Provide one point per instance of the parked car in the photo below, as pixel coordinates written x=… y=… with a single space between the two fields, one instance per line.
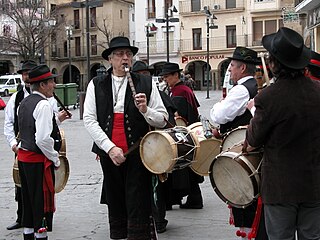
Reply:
x=227 y=83
x=9 y=84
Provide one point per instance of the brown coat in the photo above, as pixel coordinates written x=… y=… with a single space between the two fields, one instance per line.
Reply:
x=287 y=124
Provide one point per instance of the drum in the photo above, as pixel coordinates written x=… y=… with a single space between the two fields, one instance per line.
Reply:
x=209 y=149
x=15 y=173
x=168 y=150
x=61 y=174
x=235 y=177
x=63 y=144
x=180 y=121
x=234 y=137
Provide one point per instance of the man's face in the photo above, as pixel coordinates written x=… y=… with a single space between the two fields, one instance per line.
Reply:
x=25 y=78
x=47 y=88
x=237 y=69
x=119 y=57
x=171 y=78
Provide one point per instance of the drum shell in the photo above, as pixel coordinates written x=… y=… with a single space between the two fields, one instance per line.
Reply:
x=235 y=177
x=163 y=152
x=61 y=174
x=208 y=150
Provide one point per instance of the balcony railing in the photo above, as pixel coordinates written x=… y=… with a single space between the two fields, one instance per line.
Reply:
x=186 y=45
x=61 y=53
x=215 y=5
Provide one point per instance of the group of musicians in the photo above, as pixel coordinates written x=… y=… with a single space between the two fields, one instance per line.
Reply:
x=122 y=106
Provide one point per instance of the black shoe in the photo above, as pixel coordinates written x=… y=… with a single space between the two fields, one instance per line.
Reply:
x=13 y=226
x=162 y=226
x=191 y=206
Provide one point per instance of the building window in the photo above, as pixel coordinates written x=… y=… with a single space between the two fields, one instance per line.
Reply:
x=231 y=36
x=65 y=49
x=195 y=5
x=231 y=4
x=167 y=4
x=94 y=49
x=257 y=33
x=151 y=9
x=93 y=17
x=261 y=28
x=78 y=47
x=264 y=0
x=120 y=14
x=76 y=19
x=196 y=39
x=270 y=26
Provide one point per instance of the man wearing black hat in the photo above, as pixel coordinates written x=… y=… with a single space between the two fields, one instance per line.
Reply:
x=117 y=120
x=185 y=181
x=287 y=124
x=313 y=68
x=38 y=154
x=231 y=113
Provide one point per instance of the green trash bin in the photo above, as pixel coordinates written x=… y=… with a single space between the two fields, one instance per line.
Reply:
x=59 y=91
x=70 y=94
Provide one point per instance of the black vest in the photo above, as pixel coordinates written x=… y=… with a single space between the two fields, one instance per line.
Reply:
x=134 y=123
x=28 y=128
x=19 y=98
x=243 y=119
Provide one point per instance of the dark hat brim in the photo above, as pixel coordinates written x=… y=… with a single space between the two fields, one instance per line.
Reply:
x=105 y=54
x=297 y=63
x=169 y=71
x=44 y=79
x=242 y=60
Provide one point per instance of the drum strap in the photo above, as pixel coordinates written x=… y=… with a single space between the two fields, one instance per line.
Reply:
x=154 y=188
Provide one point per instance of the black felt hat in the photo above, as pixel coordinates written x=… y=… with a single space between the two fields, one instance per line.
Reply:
x=244 y=54
x=40 y=73
x=118 y=42
x=288 y=48
x=170 y=68
x=315 y=59
x=141 y=66
x=27 y=65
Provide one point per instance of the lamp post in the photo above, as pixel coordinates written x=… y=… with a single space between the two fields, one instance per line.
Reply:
x=166 y=20
x=147 y=27
x=210 y=25
x=69 y=35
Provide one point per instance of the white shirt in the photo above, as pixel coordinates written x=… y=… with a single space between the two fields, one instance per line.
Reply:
x=8 y=129
x=233 y=105
x=155 y=115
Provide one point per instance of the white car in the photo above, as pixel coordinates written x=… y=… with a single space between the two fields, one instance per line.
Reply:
x=10 y=83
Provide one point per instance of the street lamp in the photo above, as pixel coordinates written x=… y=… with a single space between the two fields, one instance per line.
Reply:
x=149 y=28
x=69 y=35
x=210 y=25
x=166 y=20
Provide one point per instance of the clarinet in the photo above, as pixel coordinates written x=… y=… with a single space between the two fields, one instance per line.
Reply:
x=127 y=70
x=61 y=104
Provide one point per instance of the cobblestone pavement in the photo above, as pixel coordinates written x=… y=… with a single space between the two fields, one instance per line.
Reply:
x=79 y=214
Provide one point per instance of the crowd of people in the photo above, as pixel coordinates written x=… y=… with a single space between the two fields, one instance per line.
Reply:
x=124 y=104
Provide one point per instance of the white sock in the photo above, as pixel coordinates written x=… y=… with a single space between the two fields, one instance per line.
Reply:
x=41 y=235
x=28 y=230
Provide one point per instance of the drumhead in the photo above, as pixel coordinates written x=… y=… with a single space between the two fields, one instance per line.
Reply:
x=180 y=121
x=156 y=146
x=61 y=174
x=233 y=180
x=234 y=137
x=209 y=149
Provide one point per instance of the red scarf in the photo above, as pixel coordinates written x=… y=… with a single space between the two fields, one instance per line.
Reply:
x=47 y=186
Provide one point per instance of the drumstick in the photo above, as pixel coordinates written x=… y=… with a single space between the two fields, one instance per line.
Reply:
x=265 y=72
x=61 y=104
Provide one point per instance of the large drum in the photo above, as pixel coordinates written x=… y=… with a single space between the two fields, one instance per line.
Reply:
x=168 y=150
x=234 y=137
x=235 y=176
x=209 y=149
x=180 y=121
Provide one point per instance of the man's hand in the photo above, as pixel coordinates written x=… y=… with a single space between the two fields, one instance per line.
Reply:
x=116 y=155
x=63 y=115
x=141 y=102
x=15 y=148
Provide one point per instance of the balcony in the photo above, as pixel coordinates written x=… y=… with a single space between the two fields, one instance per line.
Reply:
x=215 y=5
x=217 y=43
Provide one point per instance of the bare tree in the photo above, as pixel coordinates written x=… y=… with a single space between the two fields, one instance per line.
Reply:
x=31 y=22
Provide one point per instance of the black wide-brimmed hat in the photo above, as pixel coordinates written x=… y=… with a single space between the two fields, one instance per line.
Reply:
x=27 y=65
x=288 y=48
x=118 y=42
x=141 y=66
x=170 y=68
x=315 y=59
x=40 y=73
x=244 y=55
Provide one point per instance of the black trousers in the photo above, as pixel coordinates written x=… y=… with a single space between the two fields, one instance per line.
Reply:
x=127 y=192
x=33 y=215
x=18 y=198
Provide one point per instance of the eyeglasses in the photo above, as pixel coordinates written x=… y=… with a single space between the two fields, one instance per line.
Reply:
x=122 y=53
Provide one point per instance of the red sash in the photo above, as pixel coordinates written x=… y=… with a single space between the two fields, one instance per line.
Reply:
x=48 y=186
x=118 y=134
